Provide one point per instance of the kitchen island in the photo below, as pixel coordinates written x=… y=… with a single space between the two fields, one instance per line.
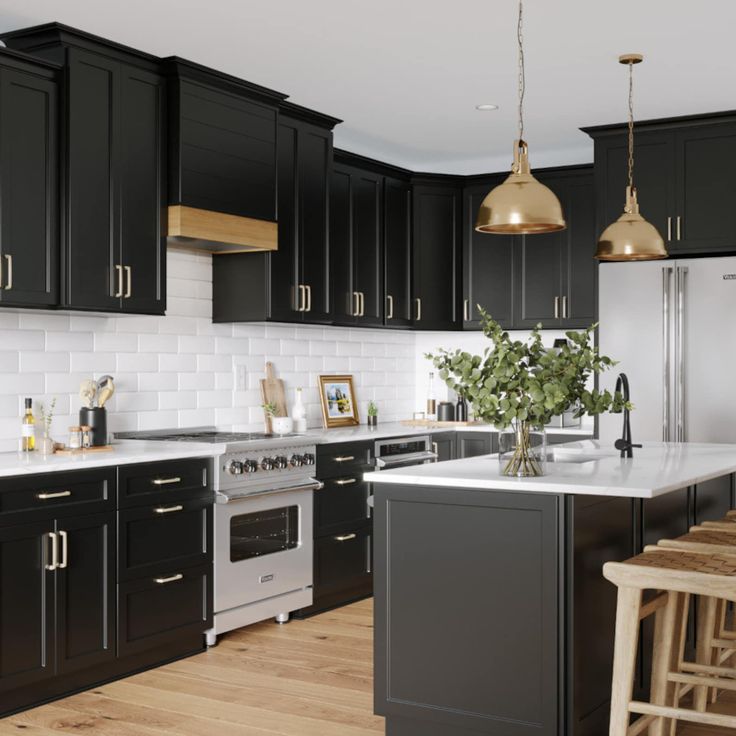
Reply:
x=491 y=612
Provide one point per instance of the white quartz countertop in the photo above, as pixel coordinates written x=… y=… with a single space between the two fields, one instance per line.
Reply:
x=397 y=429
x=584 y=467
x=16 y=463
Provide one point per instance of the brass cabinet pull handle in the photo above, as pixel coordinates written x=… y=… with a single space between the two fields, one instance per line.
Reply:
x=390 y=302
x=679 y=227
x=165 y=481
x=343 y=458
x=669 y=229
x=308 y=289
x=119 y=292
x=58 y=494
x=64 y=550
x=345 y=481
x=54 y=552
x=419 y=309
x=356 y=304
x=168 y=509
x=128 y=281
x=466 y=310
x=564 y=307
x=9 y=260
x=301 y=298
x=362 y=304
x=345 y=537
x=170 y=579
x=557 y=307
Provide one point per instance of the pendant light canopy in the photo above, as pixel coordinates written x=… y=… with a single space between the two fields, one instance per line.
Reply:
x=631 y=237
x=521 y=204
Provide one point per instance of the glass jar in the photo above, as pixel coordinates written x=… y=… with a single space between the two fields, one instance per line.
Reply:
x=86 y=436
x=522 y=450
x=75 y=438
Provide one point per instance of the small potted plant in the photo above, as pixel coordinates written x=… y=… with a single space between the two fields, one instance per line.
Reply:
x=269 y=412
x=519 y=386
x=372 y=414
x=46 y=415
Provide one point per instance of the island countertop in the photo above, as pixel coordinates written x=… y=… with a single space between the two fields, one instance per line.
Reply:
x=585 y=467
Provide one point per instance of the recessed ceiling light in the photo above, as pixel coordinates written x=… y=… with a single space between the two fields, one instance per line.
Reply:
x=486 y=106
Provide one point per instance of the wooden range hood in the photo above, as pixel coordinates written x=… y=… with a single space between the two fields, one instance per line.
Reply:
x=218 y=232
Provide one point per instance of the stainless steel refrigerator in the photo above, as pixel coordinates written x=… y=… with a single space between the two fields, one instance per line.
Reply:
x=672 y=327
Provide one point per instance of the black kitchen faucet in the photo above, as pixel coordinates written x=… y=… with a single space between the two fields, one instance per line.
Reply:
x=625 y=444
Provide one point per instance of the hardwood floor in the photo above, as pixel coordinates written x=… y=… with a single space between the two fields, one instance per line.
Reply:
x=309 y=678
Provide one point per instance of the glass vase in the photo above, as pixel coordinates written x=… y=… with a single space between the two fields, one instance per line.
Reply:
x=522 y=450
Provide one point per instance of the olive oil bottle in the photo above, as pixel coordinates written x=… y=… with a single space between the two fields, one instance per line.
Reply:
x=28 y=429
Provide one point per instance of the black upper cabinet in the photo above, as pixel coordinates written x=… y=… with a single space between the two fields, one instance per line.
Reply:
x=29 y=226
x=556 y=272
x=113 y=242
x=356 y=245
x=436 y=236
x=222 y=142
x=685 y=175
x=291 y=284
x=397 y=251
x=488 y=263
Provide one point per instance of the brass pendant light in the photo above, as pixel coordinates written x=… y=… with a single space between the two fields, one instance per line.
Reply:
x=631 y=237
x=521 y=205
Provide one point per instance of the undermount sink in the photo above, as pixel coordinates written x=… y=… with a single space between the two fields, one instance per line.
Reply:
x=575 y=455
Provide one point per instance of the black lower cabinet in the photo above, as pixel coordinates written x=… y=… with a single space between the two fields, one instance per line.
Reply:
x=473 y=444
x=443 y=443
x=88 y=593
x=343 y=551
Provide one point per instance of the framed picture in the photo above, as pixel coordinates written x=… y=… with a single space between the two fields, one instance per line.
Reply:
x=337 y=394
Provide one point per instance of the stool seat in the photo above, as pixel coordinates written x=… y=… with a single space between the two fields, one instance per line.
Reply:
x=698 y=539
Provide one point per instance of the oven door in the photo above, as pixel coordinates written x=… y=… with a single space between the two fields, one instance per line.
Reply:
x=263 y=547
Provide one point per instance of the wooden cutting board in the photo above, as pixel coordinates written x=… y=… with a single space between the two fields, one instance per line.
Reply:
x=272 y=392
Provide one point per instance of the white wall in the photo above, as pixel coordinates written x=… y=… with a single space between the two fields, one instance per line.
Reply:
x=179 y=370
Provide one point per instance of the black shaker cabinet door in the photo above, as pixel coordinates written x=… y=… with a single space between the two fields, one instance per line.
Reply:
x=92 y=217
x=436 y=245
x=142 y=231
x=488 y=265
x=705 y=218
x=86 y=591
x=26 y=605
x=397 y=251
x=29 y=245
x=314 y=156
x=344 y=299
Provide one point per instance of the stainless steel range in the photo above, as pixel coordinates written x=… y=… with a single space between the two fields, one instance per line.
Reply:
x=263 y=544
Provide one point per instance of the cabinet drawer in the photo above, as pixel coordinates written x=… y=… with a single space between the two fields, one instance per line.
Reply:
x=158 y=610
x=153 y=539
x=342 y=559
x=341 y=504
x=56 y=494
x=343 y=459
x=152 y=483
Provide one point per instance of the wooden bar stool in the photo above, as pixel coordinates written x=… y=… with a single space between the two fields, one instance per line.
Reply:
x=677 y=574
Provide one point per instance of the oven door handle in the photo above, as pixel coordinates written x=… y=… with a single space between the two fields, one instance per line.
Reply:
x=417 y=457
x=312 y=485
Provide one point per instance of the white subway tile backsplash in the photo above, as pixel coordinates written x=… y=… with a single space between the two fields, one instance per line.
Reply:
x=22 y=339
x=68 y=340
x=9 y=362
x=113 y=342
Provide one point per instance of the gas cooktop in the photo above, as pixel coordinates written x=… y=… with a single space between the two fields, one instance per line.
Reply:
x=206 y=435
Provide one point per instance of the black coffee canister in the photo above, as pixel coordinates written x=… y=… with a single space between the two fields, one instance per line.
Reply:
x=96 y=419
x=445 y=412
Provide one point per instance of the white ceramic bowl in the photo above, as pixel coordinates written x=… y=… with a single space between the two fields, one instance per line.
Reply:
x=282 y=425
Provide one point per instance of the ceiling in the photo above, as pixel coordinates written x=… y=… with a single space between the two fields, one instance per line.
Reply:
x=406 y=75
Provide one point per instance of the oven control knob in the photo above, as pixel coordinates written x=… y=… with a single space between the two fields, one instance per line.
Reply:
x=282 y=463
x=267 y=463
x=296 y=461
x=308 y=458
x=250 y=466
x=234 y=467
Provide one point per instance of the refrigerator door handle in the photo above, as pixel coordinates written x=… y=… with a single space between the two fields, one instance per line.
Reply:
x=666 y=274
x=680 y=352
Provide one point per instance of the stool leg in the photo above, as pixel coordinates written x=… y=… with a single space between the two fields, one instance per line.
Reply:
x=666 y=651
x=720 y=628
x=683 y=616
x=624 y=658
x=704 y=650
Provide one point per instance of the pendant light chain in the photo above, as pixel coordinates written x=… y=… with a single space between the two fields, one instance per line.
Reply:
x=631 y=125
x=522 y=76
